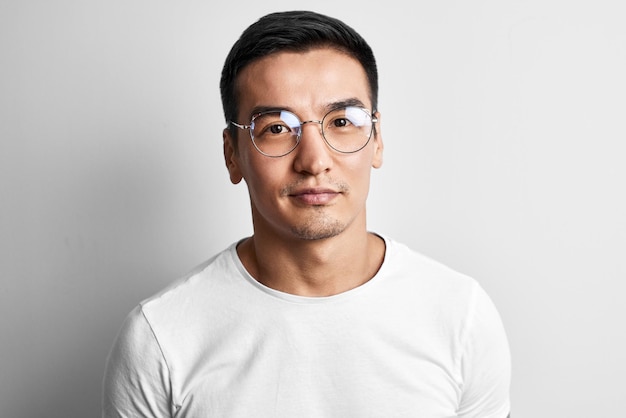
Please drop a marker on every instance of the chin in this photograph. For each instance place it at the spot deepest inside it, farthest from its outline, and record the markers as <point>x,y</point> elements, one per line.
<point>318,231</point>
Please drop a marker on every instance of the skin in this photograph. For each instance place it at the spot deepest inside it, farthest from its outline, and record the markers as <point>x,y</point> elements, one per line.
<point>308,207</point>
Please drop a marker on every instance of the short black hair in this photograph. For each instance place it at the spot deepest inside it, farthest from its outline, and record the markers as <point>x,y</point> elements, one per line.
<point>297,31</point>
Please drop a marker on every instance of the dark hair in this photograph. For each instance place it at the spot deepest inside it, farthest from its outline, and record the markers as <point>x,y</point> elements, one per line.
<point>297,31</point>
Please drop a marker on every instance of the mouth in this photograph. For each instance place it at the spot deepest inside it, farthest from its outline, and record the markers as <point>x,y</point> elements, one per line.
<point>314,197</point>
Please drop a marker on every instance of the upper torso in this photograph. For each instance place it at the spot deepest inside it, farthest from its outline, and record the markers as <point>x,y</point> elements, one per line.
<point>231,347</point>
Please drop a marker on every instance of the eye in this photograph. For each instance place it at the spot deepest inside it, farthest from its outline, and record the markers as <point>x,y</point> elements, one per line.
<point>340,122</point>
<point>277,129</point>
<point>270,126</point>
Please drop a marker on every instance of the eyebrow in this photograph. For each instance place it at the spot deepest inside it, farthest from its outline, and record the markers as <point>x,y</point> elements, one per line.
<point>353,101</point>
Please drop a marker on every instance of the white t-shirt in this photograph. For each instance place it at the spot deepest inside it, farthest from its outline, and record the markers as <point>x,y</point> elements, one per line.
<point>417,340</point>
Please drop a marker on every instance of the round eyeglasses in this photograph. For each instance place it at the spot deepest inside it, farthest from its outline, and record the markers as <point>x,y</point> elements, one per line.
<point>276,133</point>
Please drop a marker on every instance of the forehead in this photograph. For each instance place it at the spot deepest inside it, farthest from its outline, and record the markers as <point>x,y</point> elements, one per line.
<point>307,80</point>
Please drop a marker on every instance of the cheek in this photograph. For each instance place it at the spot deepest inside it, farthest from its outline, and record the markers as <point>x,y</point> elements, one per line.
<point>356,172</point>
<point>359,165</point>
<point>262,177</point>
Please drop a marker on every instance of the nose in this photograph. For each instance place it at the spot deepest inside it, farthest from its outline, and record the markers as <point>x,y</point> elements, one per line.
<point>312,154</point>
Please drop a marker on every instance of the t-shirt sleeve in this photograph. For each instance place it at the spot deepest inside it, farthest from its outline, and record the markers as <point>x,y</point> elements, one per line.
<point>136,380</point>
<point>485,363</point>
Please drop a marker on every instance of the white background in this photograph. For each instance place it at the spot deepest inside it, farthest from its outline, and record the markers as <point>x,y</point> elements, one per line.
<point>504,126</point>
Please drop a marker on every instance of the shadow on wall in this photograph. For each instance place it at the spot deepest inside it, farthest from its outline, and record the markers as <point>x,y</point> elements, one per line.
<point>93,238</point>
<point>69,385</point>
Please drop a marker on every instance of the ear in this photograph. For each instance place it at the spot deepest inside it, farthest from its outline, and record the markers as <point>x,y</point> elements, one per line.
<point>231,157</point>
<point>377,160</point>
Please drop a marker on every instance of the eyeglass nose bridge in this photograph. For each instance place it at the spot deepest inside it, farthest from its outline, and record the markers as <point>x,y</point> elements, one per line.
<point>319,122</point>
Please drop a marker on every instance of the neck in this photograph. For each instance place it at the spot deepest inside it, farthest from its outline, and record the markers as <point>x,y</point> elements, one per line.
<point>321,267</point>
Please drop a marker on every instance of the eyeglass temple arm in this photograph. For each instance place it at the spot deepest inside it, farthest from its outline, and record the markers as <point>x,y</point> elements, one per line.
<point>238,125</point>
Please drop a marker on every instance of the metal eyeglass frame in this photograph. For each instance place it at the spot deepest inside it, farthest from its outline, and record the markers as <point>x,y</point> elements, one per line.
<point>302,123</point>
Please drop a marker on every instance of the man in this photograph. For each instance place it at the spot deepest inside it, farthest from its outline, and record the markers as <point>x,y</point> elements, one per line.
<point>311,316</point>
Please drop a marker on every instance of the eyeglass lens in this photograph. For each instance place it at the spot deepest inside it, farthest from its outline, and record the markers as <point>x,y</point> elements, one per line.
<point>277,133</point>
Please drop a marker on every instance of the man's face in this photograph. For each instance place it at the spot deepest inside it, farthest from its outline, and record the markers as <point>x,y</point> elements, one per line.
<point>314,192</point>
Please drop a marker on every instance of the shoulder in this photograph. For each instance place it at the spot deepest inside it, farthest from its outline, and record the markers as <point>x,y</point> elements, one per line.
<point>188,304</point>
<point>425,274</point>
<point>483,353</point>
<point>434,288</point>
<point>201,281</point>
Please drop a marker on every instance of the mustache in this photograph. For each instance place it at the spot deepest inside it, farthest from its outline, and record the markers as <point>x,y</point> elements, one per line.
<point>305,182</point>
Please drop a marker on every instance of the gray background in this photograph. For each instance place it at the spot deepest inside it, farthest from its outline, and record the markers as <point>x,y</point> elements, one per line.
<point>504,131</point>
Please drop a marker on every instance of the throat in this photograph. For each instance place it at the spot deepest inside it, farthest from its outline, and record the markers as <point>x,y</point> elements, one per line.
<point>309,272</point>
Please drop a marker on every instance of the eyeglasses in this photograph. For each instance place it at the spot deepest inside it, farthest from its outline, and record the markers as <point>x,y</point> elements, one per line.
<point>276,133</point>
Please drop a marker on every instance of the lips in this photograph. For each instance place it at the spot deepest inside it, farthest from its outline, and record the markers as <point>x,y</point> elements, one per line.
<point>316,196</point>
